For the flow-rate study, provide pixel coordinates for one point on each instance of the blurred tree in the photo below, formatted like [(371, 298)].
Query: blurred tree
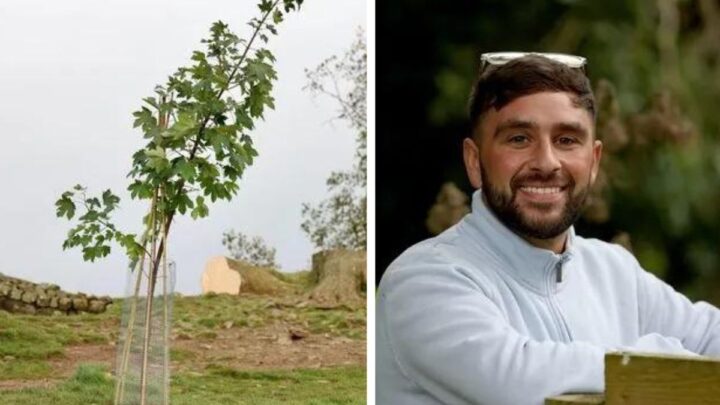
[(451, 205), (340, 220), (249, 250)]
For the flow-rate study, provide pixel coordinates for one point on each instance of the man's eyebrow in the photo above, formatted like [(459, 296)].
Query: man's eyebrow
[(572, 126), (515, 123)]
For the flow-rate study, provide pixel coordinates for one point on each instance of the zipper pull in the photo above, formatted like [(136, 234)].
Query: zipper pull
[(558, 275)]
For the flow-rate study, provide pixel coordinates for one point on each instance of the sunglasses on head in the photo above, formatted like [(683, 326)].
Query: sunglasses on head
[(501, 58)]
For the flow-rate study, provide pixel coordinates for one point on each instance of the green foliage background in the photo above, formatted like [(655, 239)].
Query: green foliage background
[(655, 66)]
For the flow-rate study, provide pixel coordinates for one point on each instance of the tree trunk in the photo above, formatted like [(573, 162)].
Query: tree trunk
[(340, 278)]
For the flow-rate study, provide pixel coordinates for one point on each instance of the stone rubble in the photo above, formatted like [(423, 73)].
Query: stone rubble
[(24, 297)]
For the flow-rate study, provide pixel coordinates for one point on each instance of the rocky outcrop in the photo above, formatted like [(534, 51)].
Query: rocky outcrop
[(224, 275), (219, 278), (24, 297)]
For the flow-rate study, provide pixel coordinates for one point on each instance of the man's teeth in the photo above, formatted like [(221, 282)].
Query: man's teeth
[(541, 190)]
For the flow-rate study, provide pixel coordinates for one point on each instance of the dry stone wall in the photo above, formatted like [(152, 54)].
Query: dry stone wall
[(24, 297)]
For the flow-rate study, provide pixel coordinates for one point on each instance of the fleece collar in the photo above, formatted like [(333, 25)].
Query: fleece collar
[(534, 267)]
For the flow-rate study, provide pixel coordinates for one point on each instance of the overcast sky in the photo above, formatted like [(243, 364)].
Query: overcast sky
[(72, 72)]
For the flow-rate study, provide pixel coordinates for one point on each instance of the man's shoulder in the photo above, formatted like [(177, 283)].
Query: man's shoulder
[(443, 258), (434, 251), (447, 248), (604, 259), (600, 248)]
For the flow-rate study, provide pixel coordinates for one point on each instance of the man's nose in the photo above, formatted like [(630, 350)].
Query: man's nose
[(545, 158)]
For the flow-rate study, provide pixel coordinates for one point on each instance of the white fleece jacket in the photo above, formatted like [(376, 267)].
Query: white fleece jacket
[(477, 315)]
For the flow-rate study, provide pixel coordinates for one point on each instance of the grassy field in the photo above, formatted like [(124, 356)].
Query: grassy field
[(224, 350), (92, 384)]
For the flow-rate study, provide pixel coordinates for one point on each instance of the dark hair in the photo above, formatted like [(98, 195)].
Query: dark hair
[(497, 86)]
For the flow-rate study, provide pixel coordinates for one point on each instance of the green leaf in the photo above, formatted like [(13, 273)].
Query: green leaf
[(185, 124), (258, 70), (232, 188), (65, 207), (92, 202), (128, 242), (185, 169), (184, 202), (198, 56), (249, 153), (265, 6), (218, 140), (157, 152), (139, 189), (200, 210), (110, 200), (94, 252), (89, 216), (157, 159), (144, 118), (242, 119), (230, 172)]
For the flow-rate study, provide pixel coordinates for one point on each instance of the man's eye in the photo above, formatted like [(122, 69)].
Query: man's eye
[(566, 140), (518, 139)]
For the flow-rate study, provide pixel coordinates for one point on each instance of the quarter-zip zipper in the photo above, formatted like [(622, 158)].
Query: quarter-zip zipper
[(554, 307), (559, 267), (558, 271)]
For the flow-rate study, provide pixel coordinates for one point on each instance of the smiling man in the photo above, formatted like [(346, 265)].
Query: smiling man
[(509, 306), (537, 164)]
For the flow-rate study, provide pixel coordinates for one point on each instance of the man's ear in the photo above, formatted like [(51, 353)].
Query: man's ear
[(471, 155), (597, 155)]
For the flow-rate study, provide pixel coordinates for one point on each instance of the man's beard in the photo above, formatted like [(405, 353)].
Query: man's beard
[(509, 212)]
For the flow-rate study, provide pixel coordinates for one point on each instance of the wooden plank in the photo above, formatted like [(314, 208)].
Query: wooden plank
[(638, 378), (567, 399)]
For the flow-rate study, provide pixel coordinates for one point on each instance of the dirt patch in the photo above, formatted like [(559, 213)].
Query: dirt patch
[(74, 355), (272, 347)]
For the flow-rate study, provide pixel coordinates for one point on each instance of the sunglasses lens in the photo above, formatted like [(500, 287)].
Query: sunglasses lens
[(501, 58)]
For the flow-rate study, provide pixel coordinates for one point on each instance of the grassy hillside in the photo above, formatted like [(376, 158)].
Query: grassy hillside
[(224, 350)]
